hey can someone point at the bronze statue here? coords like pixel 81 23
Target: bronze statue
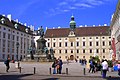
pixel 41 32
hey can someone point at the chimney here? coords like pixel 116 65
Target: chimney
pixel 93 25
pixel 80 26
pixel 25 24
pixel 16 20
pixel 59 27
pixel 9 17
pixel 85 25
pixel 105 24
pixel 3 15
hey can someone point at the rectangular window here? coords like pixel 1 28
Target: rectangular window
pixel 60 51
pixel 65 44
pixel 65 51
pixel 103 50
pixel 97 44
pixel 13 37
pixel 90 50
pixel 60 44
pixel 71 43
pixel 8 36
pixel 48 44
pixel 8 43
pixel 77 43
pixel 3 56
pixel 3 50
pixel 4 34
pixel 103 43
pixel 90 43
pixel 4 28
pixel 83 43
pixel 71 51
pixel 83 50
pixel 8 50
pixel 13 51
pixel 77 50
pixel 4 41
pixel 17 38
pixel 53 44
pixel 97 50
pixel 13 43
pixel 109 43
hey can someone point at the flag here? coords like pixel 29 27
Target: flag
pixel 113 47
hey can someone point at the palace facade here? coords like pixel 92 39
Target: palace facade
pixel 15 39
pixel 79 42
pixel 115 32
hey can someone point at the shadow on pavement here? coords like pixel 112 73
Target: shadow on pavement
pixel 13 77
pixel 112 78
pixel 50 79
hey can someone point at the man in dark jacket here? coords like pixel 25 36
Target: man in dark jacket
pixel 60 63
pixel 7 64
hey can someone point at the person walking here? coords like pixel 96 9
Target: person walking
pixel 60 63
pixel 54 65
pixel 104 68
pixel 118 66
pixel 91 65
pixel 7 64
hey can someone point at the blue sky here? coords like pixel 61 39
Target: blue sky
pixel 55 13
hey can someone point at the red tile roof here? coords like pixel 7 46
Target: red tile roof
pixel 80 31
pixel 11 24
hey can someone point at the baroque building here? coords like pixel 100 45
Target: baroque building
pixel 15 39
pixel 115 32
pixel 79 42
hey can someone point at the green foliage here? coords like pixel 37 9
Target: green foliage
pixel 96 58
pixel 110 63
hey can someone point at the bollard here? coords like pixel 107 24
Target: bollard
pixel 50 70
pixel 67 71
pixel 20 69
pixel 18 65
pixel 34 70
pixel 84 71
pixel 101 71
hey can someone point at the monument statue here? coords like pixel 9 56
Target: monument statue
pixel 51 53
pixel 41 32
pixel 41 52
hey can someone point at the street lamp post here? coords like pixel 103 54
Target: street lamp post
pixel 17 64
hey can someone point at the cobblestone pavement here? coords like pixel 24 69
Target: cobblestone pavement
pixel 75 72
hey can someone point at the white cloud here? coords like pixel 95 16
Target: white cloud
pixel 62 3
pixel 94 2
pixel 66 10
pixel 72 7
pixel 83 5
pixel 68 5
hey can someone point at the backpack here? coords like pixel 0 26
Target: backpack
pixel 91 63
pixel 53 65
pixel 5 62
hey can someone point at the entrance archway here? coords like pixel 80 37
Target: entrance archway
pixel 71 57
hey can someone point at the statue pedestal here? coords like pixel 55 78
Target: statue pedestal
pixel 38 58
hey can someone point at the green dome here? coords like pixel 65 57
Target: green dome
pixel 72 22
